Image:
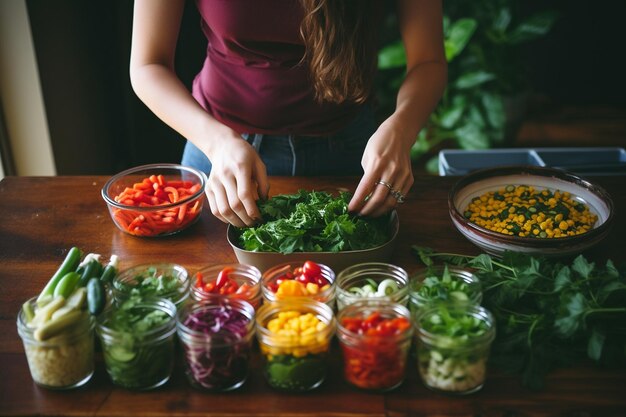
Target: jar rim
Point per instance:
(320, 309)
(241, 306)
(129, 274)
(161, 331)
(375, 304)
(474, 310)
(27, 333)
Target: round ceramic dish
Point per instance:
(337, 261)
(479, 182)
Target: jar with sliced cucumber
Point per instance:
(372, 280)
(443, 284)
(137, 338)
(453, 343)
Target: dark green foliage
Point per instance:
(548, 313)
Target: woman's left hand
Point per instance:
(388, 175)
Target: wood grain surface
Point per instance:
(42, 217)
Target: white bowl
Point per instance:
(495, 243)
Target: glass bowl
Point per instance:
(155, 200)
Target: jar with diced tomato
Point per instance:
(375, 338)
(237, 281)
(299, 280)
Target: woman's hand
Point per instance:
(237, 180)
(386, 160)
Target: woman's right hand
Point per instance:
(237, 180)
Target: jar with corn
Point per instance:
(294, 338)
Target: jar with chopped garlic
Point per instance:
(294, 338)
(60, 352)
(527, 211)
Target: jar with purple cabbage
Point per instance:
(216, 336)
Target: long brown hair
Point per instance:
(339, 37)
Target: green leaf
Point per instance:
(473, 79)
(582, 267)
(482, 262)
(532, 28)
(471, 136)
(421, 145)
(392, 56)
(452, 114)
(571, 314)
(502, 20)
(457, 37)
(562, 279)
(432, 166)
(494, 107)
(596, 344)
(423, 253)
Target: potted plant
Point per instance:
(484, 102)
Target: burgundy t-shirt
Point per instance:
(252, 79)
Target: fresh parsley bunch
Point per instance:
(548, 314)
(312, 221)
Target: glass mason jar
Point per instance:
(63, 361)
(161, 280)
(434, 285)
(246, 276)
(273, 276)
(354, 280)
(294, 338)
(453, 343)
(216, 336)
(375, 361)
(137, 340)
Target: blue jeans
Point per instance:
(295, 155)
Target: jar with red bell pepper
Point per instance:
(375, 337)
(304, 280)
(238, 281)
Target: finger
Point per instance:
(392, 201)
(223, 206)
(259, 173)
(236, 210)
(364, 190)
(213, 205)
(379, 198)
(247, 193)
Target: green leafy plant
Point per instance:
(486, 73)
(312, 221)
(548, 314)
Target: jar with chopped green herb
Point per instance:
(164, 280)
(294, 338)
(441, 283)
(137, 340)
(453, 345)
(372, 280)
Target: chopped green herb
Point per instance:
(312, 221)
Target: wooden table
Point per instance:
(40, 218)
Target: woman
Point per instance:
(285, 90)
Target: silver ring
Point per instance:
(397, 195)
(386, 184)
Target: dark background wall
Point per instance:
(98, 126)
